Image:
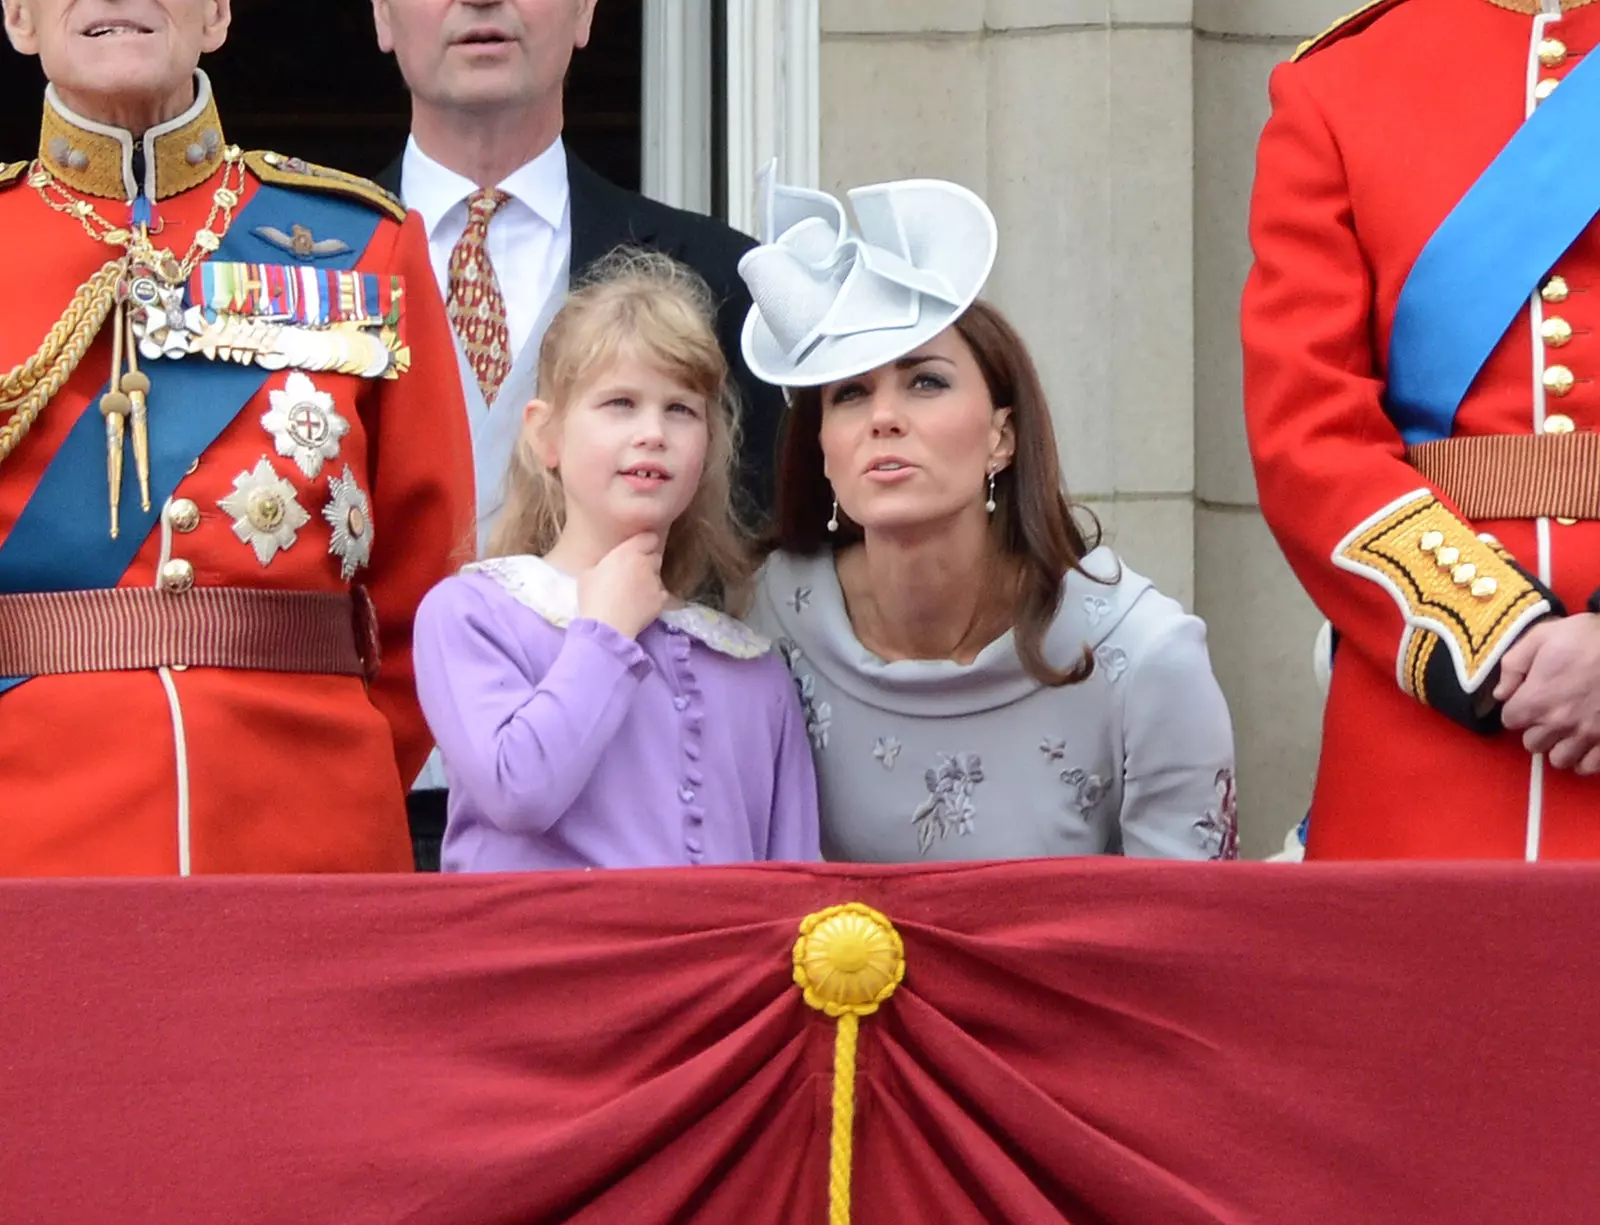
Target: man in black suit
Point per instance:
(513, 218)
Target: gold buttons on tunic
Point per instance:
(1484, 588)
(1558, 423)
(1555, 289)
(1558, 380)
(177, 575)
(1552, 52)
(183, 515)
(1463, 574)
(1432, 541)
(1447, 557)
(1545, 88)
(1556, 331)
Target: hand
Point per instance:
(623, 589)
(1550, 684)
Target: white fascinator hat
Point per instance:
(832, 300)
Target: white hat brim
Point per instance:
(841, 357)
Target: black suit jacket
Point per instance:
(605, 216)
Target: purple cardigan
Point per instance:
(567, 745)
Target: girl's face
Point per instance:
(630, 449)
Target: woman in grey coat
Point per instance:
(981, 681)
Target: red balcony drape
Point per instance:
(1091, 1042)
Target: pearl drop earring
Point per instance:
(833, 519)
(989, 505)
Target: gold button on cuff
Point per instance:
(177, 575)
(1558, 380)
(1463, 574)
(1447, 557)
(183, 516)
(1558, 423)
(1556, 331)
(1484, 588)
(1545, 88)
(1552, 52)
(1555, 289)
(1564, 521)
(1432, 541)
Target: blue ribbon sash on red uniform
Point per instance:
(1491, 254)
(61, 541)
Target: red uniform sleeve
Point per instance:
(1404, 579)
(422, 485)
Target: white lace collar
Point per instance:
(538, 585)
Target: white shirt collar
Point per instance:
(433, 190)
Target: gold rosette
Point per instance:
(848, 960)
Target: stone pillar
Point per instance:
(1262, 624)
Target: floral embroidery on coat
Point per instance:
(1053, 750)
(1113, 662)
(819, 715)
(948, 808)
(1221, 821)
(1087, 789)
(886, 750)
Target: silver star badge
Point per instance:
(349, 514)
(304, 424)
(266, 514)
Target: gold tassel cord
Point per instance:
(25, 390)
(848, 960)
(136, 386)
(841, 1148)
(115, 407)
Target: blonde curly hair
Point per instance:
(649, 306)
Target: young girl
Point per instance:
(588, 712)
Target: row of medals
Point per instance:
(164, 327)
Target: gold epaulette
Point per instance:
(1350, 23)
(284, 171)
(11, 173)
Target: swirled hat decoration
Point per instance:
(832, 300)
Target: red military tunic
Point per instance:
(1376, 132)
(213, 769)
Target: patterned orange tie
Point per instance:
(476, 309)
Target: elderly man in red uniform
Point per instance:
(1422, 391)
(233, 457)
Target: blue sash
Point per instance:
(1491, 253)
(62, 539)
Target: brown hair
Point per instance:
(651, 306)
(1034, 524)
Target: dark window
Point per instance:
(306, 77)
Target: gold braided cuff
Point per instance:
(1453, 588)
